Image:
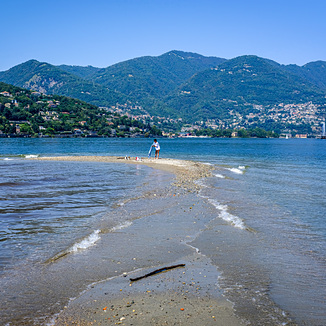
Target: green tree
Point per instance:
(26, 128)
(227, 133)
(49, 131)
(242, 133)
(155, 131)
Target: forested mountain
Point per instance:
(138, 81)
(80, 71)
(153, 76)
(49, 79)
(315, 72)
(180, 84)
(29, 113)
(238, 84)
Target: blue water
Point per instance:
(274, 187)
(46, 207)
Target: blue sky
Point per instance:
(103, 32)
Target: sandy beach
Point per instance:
(187, 295)
(172, 222)
(186, 172)
(176, 297)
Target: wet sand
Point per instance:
(173, 298)
(186, 171)
(188, 295)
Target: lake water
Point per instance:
(270, 193)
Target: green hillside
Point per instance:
(79, 71)
(28, 113)
(49, 79)
(180, 84)
(315, 72)
(142, 80)
(238, 84)
(155, 77)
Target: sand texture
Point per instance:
(186, 171)
(188, 295)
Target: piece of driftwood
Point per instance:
(157, 271)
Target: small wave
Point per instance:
(8, 159)
(87, 242)
(121, 226)
(31, 156)
(236, 170)
(81, 245)
(217, 175)
(226, 216)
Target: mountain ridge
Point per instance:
(49, 79)
(180, 84)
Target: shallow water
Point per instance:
(264, 218)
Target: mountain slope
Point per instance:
(179, 84)
(27, 113)
(79, 71)
(49, 79)
(238, 84)
(315, 72)
(144, 79)
(153, 76)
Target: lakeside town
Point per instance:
(305, 114)
(304, 120)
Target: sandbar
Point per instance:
(186, 172)
(181, 296)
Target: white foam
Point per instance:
(31, 156)
(236, 170)
(122, 226)
(87, 242)
(217, 175)
(194, 248)
(226, 216)
(8, 159)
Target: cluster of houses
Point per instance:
(294, 114)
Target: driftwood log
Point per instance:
(157, 271)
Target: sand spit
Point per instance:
(153, 310)
(179, 297)
(187, 172)
(187, 295)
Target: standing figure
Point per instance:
(157, 148)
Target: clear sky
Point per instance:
(103, 32)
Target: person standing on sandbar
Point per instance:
(157, 148)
